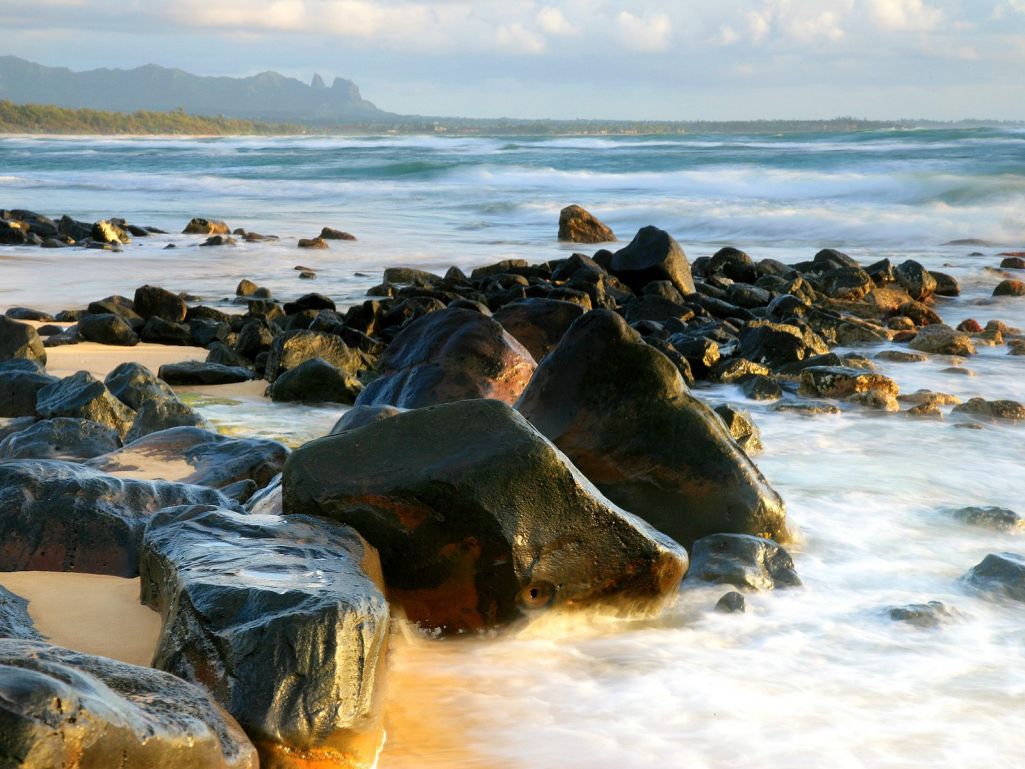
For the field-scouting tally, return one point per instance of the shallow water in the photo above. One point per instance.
(811, 677)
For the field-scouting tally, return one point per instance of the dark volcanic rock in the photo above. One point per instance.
(777, 344)
(315, 381)
(577, 225)
(83, 396)
(20, 383)
(58, 516)
(731, 603)
(60, 438)
(133, 384)
(215, 460)
(619, 410)
(284, 622)
(60, 708)
(156, 415)
(478, 517)
(107, 328)
(1003, 410)
(741, 427)
(760, 388)
(923, 615)
(915, 279)
(15, 622)
(1010, 288)
(329, 233)
(160, 331)
(294, 347)
(999, 518)
(942, 340)
(1002, 574)
(538, 324)
(453, 354)
(153, 301)
(743, 561)
(20, 340)
(196, 373)
(652, 255)
(358, 416)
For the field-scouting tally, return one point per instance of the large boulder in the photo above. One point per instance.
(60, 708)
(107, 328)
(156, 302)
(155, 415)
(450, 355)
(915, 279)
(999, 574)
(538, 324)
(294, 347)
(83, 396)
(20, 340)
(315, 381)
(60, 438)
(779, 344)
(196, 456)
(284, 622)
(58, 516)
(652, 255)
(742, 561)
(620, 411)
(477, 517)
(201, 226)
(20, 383)
(577, 225)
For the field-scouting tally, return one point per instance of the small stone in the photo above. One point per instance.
(731, 603)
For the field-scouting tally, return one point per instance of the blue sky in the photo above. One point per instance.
(714, 59)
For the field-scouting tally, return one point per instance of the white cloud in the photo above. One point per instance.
(905, 15)
(553, 21)
(648, 33)
(519, 39)
(727, 35)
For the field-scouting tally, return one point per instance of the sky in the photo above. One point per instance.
(604, 59)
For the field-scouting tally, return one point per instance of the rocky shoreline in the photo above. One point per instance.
(525, 438)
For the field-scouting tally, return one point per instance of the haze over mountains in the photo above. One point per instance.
(267, 96)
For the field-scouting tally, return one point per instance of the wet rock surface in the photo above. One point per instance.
(999, 574)
(60, 708)
(743, 561)
(60, 438)
(578, 225)
(15, 621)
(284, 623)
(82, 396)
(481, 519)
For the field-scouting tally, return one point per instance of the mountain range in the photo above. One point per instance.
(267, 96)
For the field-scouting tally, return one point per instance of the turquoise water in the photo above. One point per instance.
(813, 677)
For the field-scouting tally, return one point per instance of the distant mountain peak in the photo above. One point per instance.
(266, 96)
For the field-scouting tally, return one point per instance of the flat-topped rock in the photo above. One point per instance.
(201, 373)
(59, 516)
(60, 708)
(284, 621)
(478, 518)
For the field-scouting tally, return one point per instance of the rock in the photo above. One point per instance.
(734, 264)
(329, 233)
(60, 708)
(1010, 288)
(26, 313)
(538, 324)
(307, 275)
(315, 381)
(82, 396)
(312, 243)
(358, 416)
(407, 275)
(294, 347)
(930, 397)
(743, 561)
(60, 438)
(15, 622)
(453, 354)
(999, 518)
(196, 373)
(284, 622)
(108, 232)
(946, 285)
(807, 408)
(652, 255)
(915, 279)
(620, 411)
(153, 301)
(900, 356)
(576, 225)
(1013, 263)
(20, 382)
(776, 344)
(831, 259)
(199, 226)
(133, 384)
(477, 517)
(760, 388)
(107, 329)
(246, 287)
(923, 615)
(219, 240)
(58, 516)
(731, 603)
(843, 382)
(925, 411)
(996, 410)
(211, 459)
(309, 302)
(156, 415)
(731, 370)
(160, 331)
(1000, 574)
(741, 427)
(850, 284)
(942, 340)
(20, 340)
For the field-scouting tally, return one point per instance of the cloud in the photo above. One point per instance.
(648, 33)
(519, 39)
(905, 15)
(553, 21)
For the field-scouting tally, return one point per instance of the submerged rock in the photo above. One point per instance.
(477, 517)
(731, 603)
(743, 561)
(453, 354)
(923, 615)
(60, 708)
(1005, 410)
(943, 340)
(620, 411)
(577, 225)
(1000, 574)
(284, 623)
(999, 518)
(58, 516)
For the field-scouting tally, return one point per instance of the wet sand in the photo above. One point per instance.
(91, 613)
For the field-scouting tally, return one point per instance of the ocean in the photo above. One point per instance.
(817, 676)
